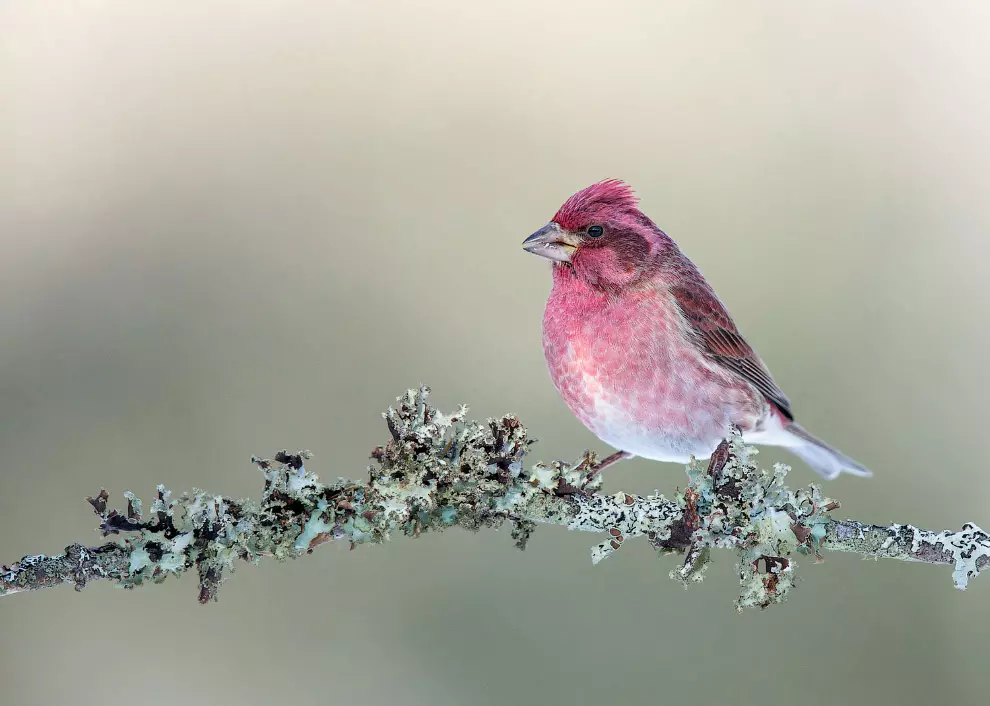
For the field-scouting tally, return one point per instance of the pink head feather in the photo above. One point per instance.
(596, 203)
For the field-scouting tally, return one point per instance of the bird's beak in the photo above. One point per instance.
(552, 243)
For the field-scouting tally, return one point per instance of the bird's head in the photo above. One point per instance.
(600, 236)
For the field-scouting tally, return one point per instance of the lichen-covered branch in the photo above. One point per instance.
(967, 551)
(439, 471)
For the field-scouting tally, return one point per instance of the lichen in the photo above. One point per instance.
(968, 550)
(971, 550)
(439, 471)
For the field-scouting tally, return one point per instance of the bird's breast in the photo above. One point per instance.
(628, 371)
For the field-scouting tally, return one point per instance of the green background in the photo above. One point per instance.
(232, 227)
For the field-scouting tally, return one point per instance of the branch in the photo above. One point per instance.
(439, 471)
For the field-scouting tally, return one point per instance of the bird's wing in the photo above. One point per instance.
(719, 338)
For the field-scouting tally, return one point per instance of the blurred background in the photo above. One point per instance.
(228, 228)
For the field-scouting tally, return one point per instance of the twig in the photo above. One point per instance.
(438, 471)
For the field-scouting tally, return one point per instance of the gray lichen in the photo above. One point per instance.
(967, 551)
(438, 471)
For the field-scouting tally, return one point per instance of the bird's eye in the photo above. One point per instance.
(596, 231)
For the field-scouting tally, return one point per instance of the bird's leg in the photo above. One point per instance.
(602, 465)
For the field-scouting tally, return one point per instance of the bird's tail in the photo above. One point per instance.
(822, 458)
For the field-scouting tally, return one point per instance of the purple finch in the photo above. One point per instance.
(643, 351)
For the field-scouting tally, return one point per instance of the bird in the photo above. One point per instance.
(644, 352)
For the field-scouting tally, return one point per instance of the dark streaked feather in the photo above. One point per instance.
(718, 336)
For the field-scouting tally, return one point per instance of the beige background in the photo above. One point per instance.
(232, 227)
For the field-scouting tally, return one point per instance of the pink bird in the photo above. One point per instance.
(643, 351)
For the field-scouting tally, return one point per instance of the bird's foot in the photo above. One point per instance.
(588, 468)
(595, 468)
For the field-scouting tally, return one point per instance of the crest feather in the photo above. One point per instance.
(596, 203)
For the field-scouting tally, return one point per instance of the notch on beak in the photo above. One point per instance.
(552, 243)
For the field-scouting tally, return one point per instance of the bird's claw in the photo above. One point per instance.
(565, 489)
(596, 468)
(591, 469)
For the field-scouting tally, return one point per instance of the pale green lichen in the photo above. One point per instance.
(439, 471)
(319, 523)
(140, 559)
(731, 503)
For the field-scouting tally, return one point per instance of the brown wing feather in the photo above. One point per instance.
(719, 337)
